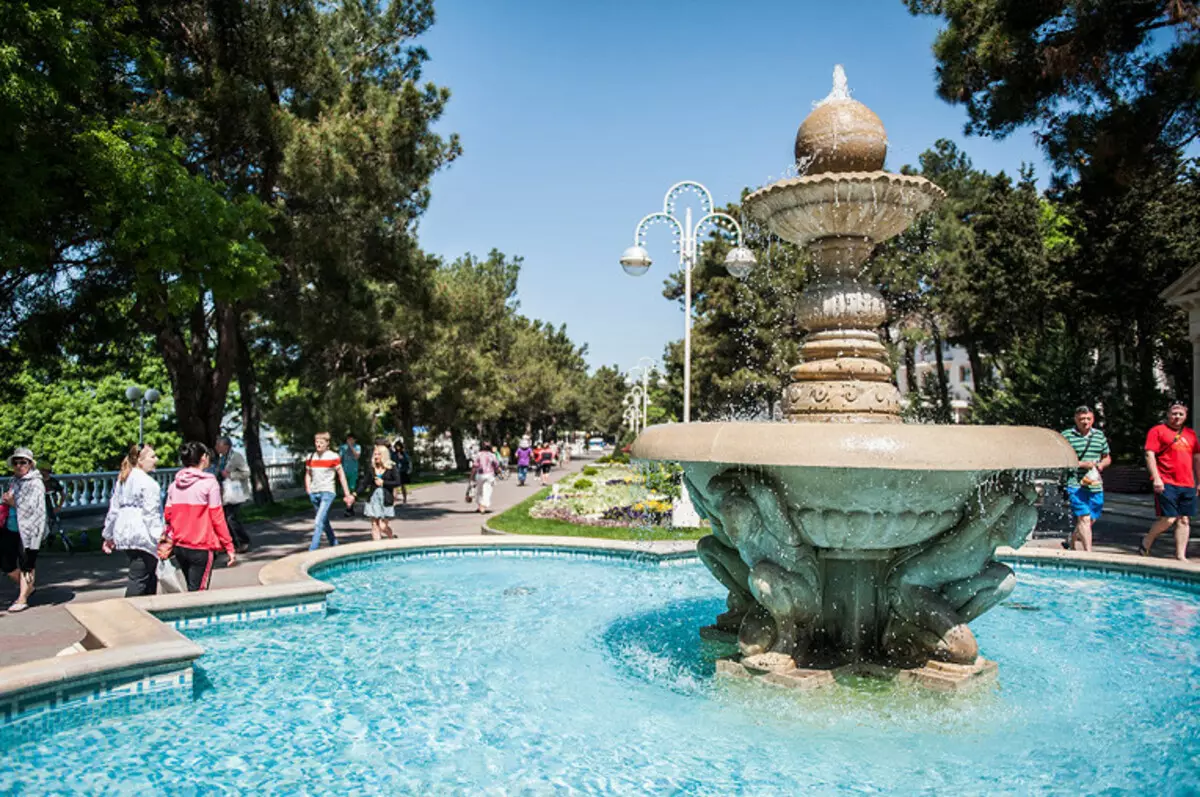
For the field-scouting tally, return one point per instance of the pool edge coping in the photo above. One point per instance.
(129, 635)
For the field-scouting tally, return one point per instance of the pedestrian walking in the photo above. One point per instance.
(484, 468)
(1085, 488)
(524, 460)
(1171, 458)
(350, 451)
(381, 507)
(24, 526)
(404, 467)
(545, 460)
(194, 519)
(322, 472)
(234, 476)
(134, 523)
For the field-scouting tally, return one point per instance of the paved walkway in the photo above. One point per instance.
(46, 627)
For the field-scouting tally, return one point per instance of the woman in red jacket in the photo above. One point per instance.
(195, 519)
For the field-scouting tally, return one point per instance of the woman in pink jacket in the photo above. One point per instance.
(195, 519)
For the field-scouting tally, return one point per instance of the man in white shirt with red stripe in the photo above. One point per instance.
(322, 471)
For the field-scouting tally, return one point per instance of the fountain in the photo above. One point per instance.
(850, 542)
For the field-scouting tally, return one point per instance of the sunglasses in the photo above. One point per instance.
(16, 462)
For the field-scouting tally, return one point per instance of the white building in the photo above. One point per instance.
(958, 372)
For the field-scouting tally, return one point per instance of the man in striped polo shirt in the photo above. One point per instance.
(1085, 488)
(322, 471)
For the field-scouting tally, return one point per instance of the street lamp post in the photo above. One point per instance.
(636, 260)
(141, 399)
(645, 365)
(635, 399)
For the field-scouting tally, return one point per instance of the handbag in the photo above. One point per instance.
(4, 516)
(470, 496)
(170, 577)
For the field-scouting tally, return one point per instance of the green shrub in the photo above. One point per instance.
(664, 478)
(588, 470)
(619, 458)
(582, 484)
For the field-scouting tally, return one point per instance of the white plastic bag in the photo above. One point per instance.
(170, 577)
(233, 492)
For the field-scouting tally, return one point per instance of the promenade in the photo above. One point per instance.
(45, 628)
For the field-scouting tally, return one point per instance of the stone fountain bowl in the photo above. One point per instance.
(874, 205)
(863, 486)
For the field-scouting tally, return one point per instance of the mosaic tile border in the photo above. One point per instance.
(223, 615)
(1175, 578)
(27, 717)
(1132, 570)
(359, 561)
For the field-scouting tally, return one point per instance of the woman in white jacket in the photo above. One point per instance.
(135, 523)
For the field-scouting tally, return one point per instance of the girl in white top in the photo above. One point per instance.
(135, 523)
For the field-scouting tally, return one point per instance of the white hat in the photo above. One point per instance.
(22, 453)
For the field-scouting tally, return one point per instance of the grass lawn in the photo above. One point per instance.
(518, 521)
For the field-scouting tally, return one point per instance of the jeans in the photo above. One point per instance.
(321, 502)
(522, 472)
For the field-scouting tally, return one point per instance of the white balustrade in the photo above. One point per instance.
(91, 492)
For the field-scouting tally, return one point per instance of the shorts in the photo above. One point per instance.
(1085, 502)
(14, 556)
(1175, 501)
(545, 467)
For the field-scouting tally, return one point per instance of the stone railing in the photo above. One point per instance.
(90, 492)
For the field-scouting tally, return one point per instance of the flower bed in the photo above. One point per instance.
(616, 496)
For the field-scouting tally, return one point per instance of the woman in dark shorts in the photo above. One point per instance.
(25, 527)
(545, 462)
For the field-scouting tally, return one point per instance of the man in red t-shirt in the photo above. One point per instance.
(1172, 457)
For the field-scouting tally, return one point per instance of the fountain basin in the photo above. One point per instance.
(448, 674)
(874, 205)
(856, 446)
(861, 542)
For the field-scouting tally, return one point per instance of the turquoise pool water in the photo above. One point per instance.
(550, 676)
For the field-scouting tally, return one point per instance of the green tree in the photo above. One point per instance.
(1110, 83)
(80, 421)
(603, 410)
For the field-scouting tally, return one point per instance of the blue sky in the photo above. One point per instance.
(576, 118)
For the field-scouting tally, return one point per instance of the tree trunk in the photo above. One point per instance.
(1118, 366)
(460, 454)
(199, 378)
(405, 420)
(910, 370)
(945, 411)
(980, 380)
(251, 420)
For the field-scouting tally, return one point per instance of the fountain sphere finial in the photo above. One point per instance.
(841, 134)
